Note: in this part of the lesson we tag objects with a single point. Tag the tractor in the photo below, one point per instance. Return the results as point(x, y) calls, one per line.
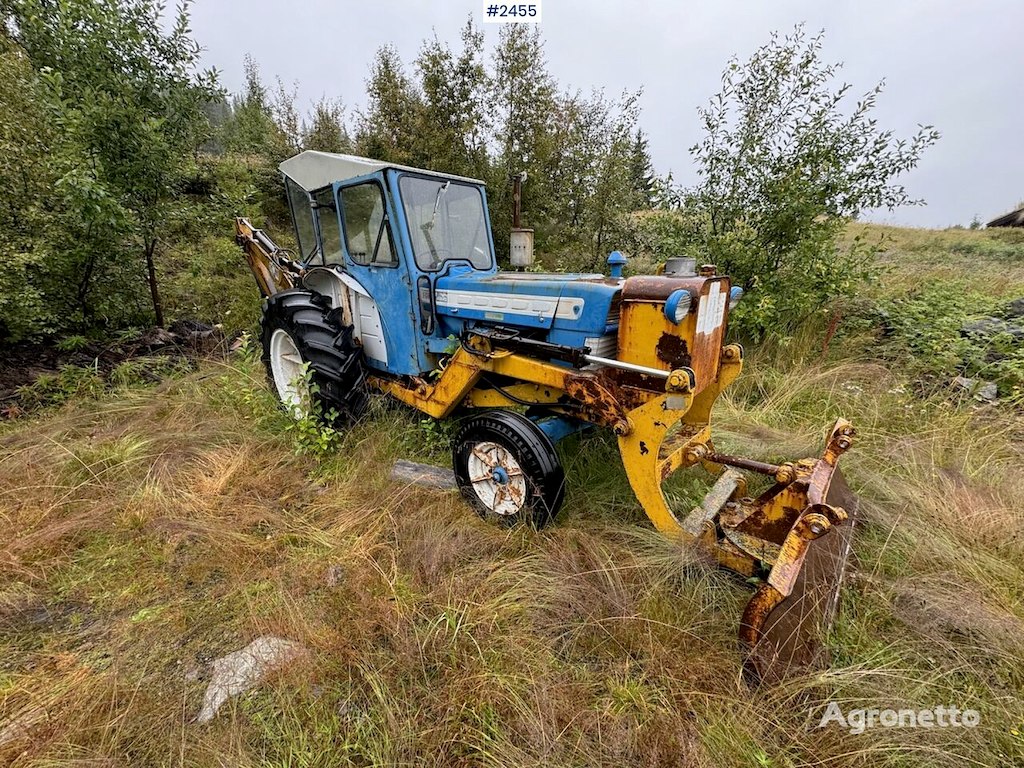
point(394, 287)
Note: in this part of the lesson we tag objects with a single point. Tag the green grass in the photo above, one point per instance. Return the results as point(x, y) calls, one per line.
point(152, 528)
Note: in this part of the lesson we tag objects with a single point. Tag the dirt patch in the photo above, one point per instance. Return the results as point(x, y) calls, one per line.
point(23, 364)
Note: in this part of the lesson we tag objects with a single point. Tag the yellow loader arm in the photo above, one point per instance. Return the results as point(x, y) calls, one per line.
point(271, 266)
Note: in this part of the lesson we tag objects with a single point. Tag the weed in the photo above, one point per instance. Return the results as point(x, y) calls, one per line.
point(311, 427)
point(70, 383)
point(72, 343)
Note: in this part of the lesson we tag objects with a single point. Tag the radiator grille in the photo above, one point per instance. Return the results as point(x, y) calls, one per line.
point(605, 346)
point(613, 311)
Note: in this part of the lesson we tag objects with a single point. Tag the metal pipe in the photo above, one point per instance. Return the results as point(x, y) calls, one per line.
point(750, 464)
point(517, 199)
point(627, 366)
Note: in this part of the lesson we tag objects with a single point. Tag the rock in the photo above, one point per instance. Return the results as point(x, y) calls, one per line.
point(967, 385)
point(13, 731)
point(987, 327)
point(20, 728)
point(335, 575)
point(1015, 309)
point(988, 392)
point(244, 669)
point(984, 391)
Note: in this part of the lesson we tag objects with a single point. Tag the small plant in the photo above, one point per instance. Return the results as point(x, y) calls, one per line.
point(245, 383)
point(72, 343)
point(436, 435)
point(312, 429)
point(71, 382)
point(142, 371)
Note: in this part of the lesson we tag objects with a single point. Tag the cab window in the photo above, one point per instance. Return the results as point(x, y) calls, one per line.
point(302, 216)
point(447, 222)
point(367, 234)
point(327, 220)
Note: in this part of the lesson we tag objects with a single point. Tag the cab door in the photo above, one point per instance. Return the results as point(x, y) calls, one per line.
point(382, 293)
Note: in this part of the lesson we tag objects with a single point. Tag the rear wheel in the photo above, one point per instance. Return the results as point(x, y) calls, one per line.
point(300, 329)
point(507, 469)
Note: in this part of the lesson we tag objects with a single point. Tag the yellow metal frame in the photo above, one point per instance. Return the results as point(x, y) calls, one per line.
point(667, 431)
point(662, 433)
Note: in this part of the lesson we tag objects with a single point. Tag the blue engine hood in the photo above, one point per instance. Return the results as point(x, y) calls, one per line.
point(528, 299)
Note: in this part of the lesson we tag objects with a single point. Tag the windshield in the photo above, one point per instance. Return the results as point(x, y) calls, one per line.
point(446, 221)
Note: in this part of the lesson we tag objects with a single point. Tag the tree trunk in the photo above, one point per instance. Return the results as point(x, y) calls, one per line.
point(154, 290)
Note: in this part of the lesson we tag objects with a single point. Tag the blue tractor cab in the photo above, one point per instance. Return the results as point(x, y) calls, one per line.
point(414, 252)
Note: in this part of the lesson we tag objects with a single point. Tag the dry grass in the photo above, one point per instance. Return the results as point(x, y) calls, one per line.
point(153, 531)
point(988, 260)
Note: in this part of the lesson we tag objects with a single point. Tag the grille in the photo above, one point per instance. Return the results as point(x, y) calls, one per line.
point(613, 311)
point(605, 346)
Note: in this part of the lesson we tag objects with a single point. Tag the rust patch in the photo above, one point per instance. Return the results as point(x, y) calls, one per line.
point(630, 389)
point(773, 525)
point(633, 380)
point(655, 288)
point(672, 349)
point(600, 403)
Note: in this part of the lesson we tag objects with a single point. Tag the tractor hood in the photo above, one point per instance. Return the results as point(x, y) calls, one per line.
point(578, 302)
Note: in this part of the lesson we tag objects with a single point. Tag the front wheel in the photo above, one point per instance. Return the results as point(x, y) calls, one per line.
point(507, 469)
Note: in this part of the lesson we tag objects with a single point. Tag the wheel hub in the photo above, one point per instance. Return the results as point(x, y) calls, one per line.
point(497, 479)
point(288, 368)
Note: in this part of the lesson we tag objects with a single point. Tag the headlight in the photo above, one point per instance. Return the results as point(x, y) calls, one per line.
point(677, 306)
point(734, 297)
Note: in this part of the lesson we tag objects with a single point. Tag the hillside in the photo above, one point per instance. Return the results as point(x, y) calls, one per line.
point(152, 528)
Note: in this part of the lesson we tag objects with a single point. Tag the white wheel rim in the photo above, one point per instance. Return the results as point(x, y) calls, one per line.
point(496, 478)
point(288, 369)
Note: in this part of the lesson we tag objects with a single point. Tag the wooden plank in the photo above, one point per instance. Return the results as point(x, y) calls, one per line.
point(423, 474)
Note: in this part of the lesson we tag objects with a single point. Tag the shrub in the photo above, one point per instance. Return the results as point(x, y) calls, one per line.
point(784, 164)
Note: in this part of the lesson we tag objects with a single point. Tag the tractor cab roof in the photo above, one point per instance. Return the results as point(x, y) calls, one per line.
point(313, 170)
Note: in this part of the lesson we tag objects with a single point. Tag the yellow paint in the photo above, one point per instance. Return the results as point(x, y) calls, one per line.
point(531, 393)
point(458, 380)
point(641, 324)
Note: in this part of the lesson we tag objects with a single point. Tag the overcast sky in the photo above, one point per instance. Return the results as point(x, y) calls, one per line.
point(955, 65)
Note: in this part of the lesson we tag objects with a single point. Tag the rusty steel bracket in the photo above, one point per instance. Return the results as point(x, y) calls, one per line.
point(814, 522)
point(272, 270)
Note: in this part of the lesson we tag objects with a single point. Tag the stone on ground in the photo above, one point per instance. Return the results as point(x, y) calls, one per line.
point(244, 669)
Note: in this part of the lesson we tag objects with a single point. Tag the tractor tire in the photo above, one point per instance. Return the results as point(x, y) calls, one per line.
point(297, 327)
point(507, 469)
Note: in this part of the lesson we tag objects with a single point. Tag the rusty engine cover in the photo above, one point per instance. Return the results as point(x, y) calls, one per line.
point(647, 337)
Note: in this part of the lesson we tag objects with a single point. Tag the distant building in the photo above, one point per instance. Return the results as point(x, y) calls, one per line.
point(1014, 219)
